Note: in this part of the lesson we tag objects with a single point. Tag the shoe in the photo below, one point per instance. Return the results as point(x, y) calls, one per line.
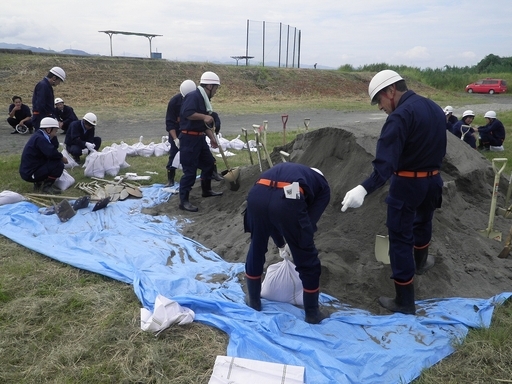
point(77, 159)
point(187, 206)
point(403, 301)
point(206, 188)
point(311, 308)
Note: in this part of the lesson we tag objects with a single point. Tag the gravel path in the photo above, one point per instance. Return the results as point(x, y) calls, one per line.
point(130, 131)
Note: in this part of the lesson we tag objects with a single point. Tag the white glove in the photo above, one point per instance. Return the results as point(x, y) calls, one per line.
point(285, 252)
point(90, 146)
point(177, 142)
point(354, 198)
point(85, 151)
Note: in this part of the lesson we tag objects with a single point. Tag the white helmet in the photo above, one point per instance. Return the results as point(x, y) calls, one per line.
point(58, 100)
point(467, 113)
point(59, 72)
point(186, 87)
point(317, 171)
point(448, 109)
point(49, 122)
point(90, 118)
point(380, 81)
point(210, 78)
point(490, 114)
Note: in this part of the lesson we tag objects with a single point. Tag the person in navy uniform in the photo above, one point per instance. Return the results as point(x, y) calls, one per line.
point(458, 128)
point(80, 137)
point(410, 151)
point(64, 114)
point(41, 161)
point(43, 99)
point(286, 204)
point(195, 120)
point(19, 115)
point(172, 126)
point(491, 134)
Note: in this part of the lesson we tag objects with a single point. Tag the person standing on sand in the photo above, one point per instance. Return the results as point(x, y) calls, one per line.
point(194, 151)
point(275, 209)
point(410, 151)
point(172, 126)
point(43, 99)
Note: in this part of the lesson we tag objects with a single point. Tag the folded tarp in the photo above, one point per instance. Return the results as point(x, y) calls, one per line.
point(352, 346)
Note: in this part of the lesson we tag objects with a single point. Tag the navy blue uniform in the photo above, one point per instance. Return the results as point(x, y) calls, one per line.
point(270, 214)
point(77, 136)
point(172, 123)
point(492, 133)
point(66, 116)
point(413, 139)
point(194, 150)
point(469, 138)
point(42, 102)
point(41, 158)
point(19, 115)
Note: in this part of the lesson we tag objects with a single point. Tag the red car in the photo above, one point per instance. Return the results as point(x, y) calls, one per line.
point(487, 86)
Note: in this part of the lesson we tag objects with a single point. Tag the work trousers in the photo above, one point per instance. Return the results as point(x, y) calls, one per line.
point(411, 205)
point(270, 214)
point(194, 154)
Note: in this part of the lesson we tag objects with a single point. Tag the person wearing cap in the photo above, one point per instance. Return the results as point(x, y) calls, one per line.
point(43, 99)
point(195, 123)
point(80, 137)
point(64, 114)
point(461, 130)
point(410, 151)
point(285, 204)
point(41, 161)
point(448, 111)
point(492, 134)
point(20, 117)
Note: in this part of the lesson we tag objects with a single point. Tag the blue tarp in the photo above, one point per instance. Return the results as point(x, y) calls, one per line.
point(352, 346)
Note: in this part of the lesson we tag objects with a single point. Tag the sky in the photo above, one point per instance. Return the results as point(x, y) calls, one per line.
point(333, 33)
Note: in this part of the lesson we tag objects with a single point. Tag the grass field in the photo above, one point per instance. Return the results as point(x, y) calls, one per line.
point(59, 324)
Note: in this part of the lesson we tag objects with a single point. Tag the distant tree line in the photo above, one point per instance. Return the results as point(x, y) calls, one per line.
point(448, 77)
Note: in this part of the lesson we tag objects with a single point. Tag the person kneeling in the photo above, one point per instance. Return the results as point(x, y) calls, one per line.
point(41, 161)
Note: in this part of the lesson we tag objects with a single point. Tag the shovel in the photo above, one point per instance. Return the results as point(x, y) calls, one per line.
point(506, 249)
point(489, 232)
point(382, 249)
point(232, 174)
point(64, 211)
point(247, 144)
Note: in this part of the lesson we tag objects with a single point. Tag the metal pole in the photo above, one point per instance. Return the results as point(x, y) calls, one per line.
point(287, 44)
point(294, 43)
point(280, 33)
point(263, 48)
point(298, 52)
point(247, 45)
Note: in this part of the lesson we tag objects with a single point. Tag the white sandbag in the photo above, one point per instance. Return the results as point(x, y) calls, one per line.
point(147, 150)
point(166, 312)
point(64, 181)
point(121, 154)
point(176, 161)
point(237, 370)
point(110, 162)
point(282, 283)
point(236, 144)
point(130, 150)
point(94, 165)
point(10, 197)
point(162, 149)
point(71, 162)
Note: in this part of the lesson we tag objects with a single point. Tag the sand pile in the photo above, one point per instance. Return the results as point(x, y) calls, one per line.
point(466, 263)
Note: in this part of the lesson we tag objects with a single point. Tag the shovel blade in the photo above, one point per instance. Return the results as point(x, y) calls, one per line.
point(495, 235)
point(382, 249)
point(64, 211)
point(504, 252)
point(101, 204)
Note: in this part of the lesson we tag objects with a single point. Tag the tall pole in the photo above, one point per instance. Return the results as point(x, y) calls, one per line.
point(287, 44)
point(263, 48)
point(247, 45)
point(294, 43)
point(298, 52)
point(280, 33)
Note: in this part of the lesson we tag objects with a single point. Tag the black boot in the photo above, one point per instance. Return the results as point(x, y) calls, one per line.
point(254, 291)
point(206, 186)
point(313, 313)
point(185, 204)
point(423, 260)
point(215, 175)
point(37, 186)
point(170, 177)
point(404, 300)
point(48, 187)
